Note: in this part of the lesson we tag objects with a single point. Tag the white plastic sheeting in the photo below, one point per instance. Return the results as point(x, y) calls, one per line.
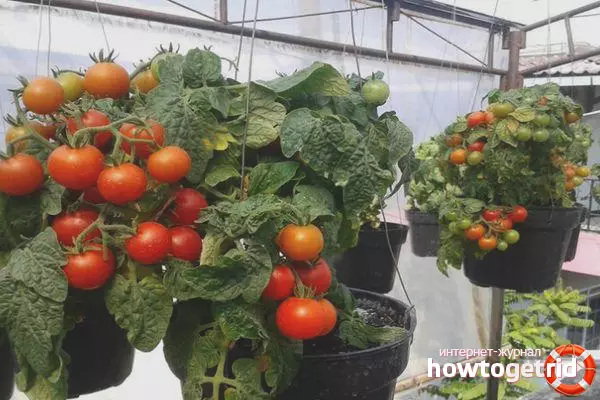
point(425, 98)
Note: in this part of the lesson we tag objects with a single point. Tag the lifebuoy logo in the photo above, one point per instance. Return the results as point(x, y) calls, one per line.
point(584, 361)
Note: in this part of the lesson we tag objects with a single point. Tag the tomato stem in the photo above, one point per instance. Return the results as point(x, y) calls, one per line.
point(86, 231)
point(139, 69)
point(214, 192)
point(109, 127)
point(116, 227)
point(31, 134)
point(20, 113)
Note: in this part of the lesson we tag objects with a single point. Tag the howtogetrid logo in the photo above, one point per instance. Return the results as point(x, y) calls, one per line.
point(584, 361)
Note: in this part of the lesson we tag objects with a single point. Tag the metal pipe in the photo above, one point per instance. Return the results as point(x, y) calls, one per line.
point(129, 12)
point(316, 14)
point(558, 17)
point(490, 55)
point(495, 342)
point(560, 61)
point(223, 11)
point(570, 41)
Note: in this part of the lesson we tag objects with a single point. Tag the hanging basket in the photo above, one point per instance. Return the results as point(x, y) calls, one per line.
point(532, 264)
point(370, 265)
point(101, 356)
point(424, 233)
point(572, 249)
point(7, 368)
point(330, 371)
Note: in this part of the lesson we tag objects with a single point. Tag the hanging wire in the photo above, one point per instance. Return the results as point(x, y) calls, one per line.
point(245, 138)
point(102, 25)
point(239, 53)
point(49, 38)
point(306, 15)
point(193, 10)
point(354, 40)
point(548, 39)
point(39, 37)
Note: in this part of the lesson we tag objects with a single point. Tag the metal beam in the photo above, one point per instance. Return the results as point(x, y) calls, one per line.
point(146, 15)
point(223, 11)
point(570, 40)
point(514, 78)
point(558, 17)
point(560, 61)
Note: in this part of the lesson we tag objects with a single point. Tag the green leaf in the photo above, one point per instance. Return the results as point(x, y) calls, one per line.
point(201, 67)
point(355, 332)
point(460, 125)
point(51, 197)
point(353, 107)
point(477, 134)
point(238, 320)
point(19, 216)
point(318, 78)
point(219, 173)
point(267, 178)
point(390, 139)
point(284, 362)
point(314, 201)
point(474, 393)
point(42, 389)
point(143, 309)
point(264, 117)
point(523, 114)
point(170, 70)
point(33, 288)
point(212, 247)
point(248, 380)
point(504, 134)
point(206, 351)
point(237, 273)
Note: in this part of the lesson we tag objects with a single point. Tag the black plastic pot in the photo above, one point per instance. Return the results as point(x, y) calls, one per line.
point(7, 368)
point(424, 233)
point(101, 356)
point(572, 249)
point(370, 265)
point(331, 371)
point(532, 264)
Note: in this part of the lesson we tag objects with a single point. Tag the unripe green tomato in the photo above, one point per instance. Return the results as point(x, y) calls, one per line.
point(375, 91)
point(511, 237)
point(464, 223)
point(541, 135)
point(454, 228)
point(542, 120)
point(72, 85)
point(502, 245)
point(475, 158)
point(451, 216)
point(523, 134)
point(577, 180)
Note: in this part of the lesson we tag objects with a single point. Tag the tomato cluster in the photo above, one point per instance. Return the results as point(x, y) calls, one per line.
point(494, 230)
point(574, 175)
point(301, 284)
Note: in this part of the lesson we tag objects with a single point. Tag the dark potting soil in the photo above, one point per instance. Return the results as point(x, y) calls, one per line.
point(373, 313)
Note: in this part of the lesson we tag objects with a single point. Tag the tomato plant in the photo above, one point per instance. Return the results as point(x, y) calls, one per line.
point(143, 150)
point(91, 119)
point(43, 95)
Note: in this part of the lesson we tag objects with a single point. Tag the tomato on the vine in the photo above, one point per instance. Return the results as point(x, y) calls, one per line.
point(281, 284)
point(143, 150)
point(490, 118)
point(300, 318)
point(170, 164)
point(68, 226)
point(454, 140)
point(458, 157)
point(541, 135)
point(300, 243)
point(92, 195)
point(186, 243)
point(505, 224)
point(20, 175)
point(569, 185)
point(463, 224)
point(92, 119)
point(511, 237)
point(475, 119)
point(501, 110)
point(542, 120)
point(43, 95)
point(502, 245)
point(518, 214)
point(582, 172)
point(474, 232)
point(477, 146)
point(329, 316)
point(375, 91)
point(90, 270)
point(578, 181)
point(523, 134)
point(106, 79)
point(151, 243)
point(76, 168)
point(475, 158)
point(317, 277)
point(122, 184)
point(491, 215)
point(72, 84)
point(13, 133)
point(572, 117)
point(487, 243)
point(144, 81)
point(188, 205)
point(569, 172)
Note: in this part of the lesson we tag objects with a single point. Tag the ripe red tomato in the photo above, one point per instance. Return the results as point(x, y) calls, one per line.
point(169, 164)
point(475, 119)
point(518, 214)
point(90, 270)
point(20, 175)
point(68, 226)
point(43, 95)
point(477, 146)
point(144, 81)
point(299, 318)
point(188, 205)
point(143, 150)
point(93, 196)
point(474, 232)
point(186, 243)
point(458, 157)
point(281, 284)
point(454, 140)
point(487, 243)
point(150, 244)
point(569, 185)
point(106, 79)
point(300, 243)
point(316, 277)
point(505, 224)
point(330, 316)
point(491, 215)
point(92, 119)
point(122, 184)
point(76, 168)
point(489, 117)
point(47, 131)
point(569, 172)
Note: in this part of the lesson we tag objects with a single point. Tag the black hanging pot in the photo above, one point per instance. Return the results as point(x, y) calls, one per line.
point(424, 233)
point(331, 371)
point(370, 265)
point(7, 368)
point(572, 249)
point(101, 356)
point(532, 264)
